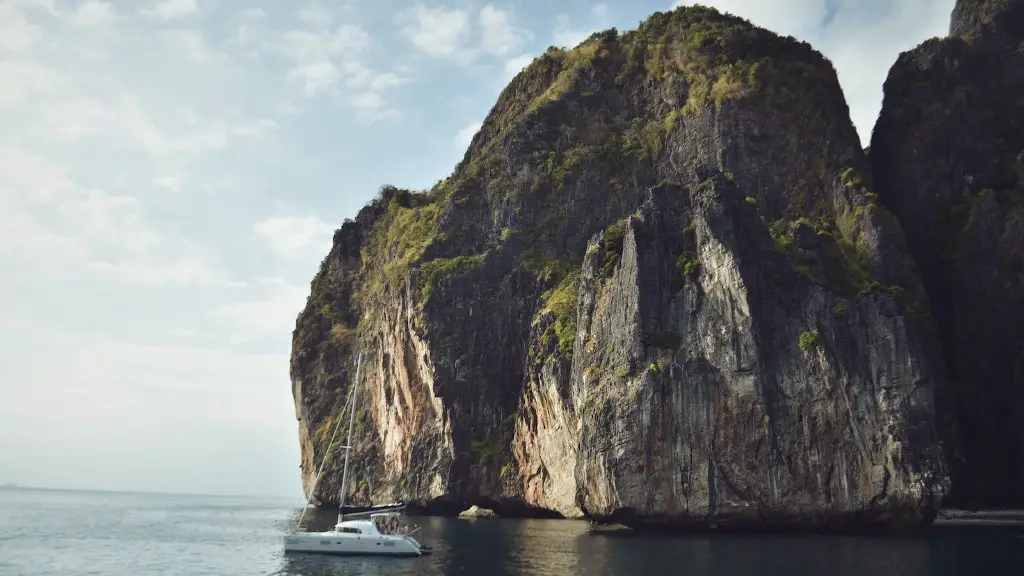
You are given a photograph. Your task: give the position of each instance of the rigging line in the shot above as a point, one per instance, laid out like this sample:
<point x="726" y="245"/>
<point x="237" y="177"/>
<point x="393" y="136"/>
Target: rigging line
<point x="337" y="426"/>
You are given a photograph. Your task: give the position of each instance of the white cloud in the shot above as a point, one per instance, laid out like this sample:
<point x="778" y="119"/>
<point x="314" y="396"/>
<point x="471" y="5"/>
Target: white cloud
<point x="92" y="13"/>
<point x="270" y="316"/>
<point x="319" y="56"/>
<point x="465" y="136"/>
<point x="448" y="34"/>
<point x="17" y="34"/>
<point x="191" y="42"/>
<point x="64" y="228"/>
<point x="568" y="35"/>
<point x="369" y="107"/>
<point x="514" y="66"/>
<point x="295" y="236"/>
<point x="109" y="222"/>
<point x="172" y="9"/>
<point x="305" y="46"/>
<point x="316" y="16"/>
<point x="127" y="121"/>
<point x="498" y="36"/>
<point x="159" y="407"/>
<point x="27" y="178"/>
<point x="128" y="124"/>
<point x="315" y="76"/>
<point x="437" y="32"/>
<point x="23" y="80"/>
<point x="171" y="182"/>
<point x="359" y="76"/>
<point x="251" y="32"/>
<point x="253" y="13"/>
<point x="328" y="58"/>
<point x="254" y="127"/>
<point x="48" y="5"/>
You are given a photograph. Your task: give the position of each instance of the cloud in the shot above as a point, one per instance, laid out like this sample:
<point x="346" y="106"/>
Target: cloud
<point x="157" y="406"/>
<point x="250" y="32"/>
<point x="514" y="66"/>
<point x="270" y="316"/>
<point x="316" y="16"/>
<point x="465" y="136"/>
<point x="23" y="80"/>
<point x="170" y="182"/>
<point x="329" y="58"/>
<point x="253" y="13"/>
<point x="369" y="107"/>
<point x="309" y="46"/>
<point x="127" y="122"/>
<point x="172" y="9"/>
<point x="448" y="34"/>
<point x="294" y="236"/>
<point x="17" y="34"/>
<point x="191" y="42"/>
<point x="567" y="35"/>
<point x="497" y="34"/>
<point x="92" y="13"/>
<point x="437" y="32"/>
<point x="65" y="228"/>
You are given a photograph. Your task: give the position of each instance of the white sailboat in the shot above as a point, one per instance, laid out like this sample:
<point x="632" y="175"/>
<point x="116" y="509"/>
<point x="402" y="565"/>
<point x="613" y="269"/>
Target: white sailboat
<point x="380" y="535"/>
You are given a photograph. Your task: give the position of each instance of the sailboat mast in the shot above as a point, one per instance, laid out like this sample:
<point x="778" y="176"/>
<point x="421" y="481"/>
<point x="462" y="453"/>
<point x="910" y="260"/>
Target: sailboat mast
<point x="348" y="447"/>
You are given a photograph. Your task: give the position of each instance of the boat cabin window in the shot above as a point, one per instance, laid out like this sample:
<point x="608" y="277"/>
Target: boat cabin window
<point x="387" y="524"/>
<point x="349" y="530"/>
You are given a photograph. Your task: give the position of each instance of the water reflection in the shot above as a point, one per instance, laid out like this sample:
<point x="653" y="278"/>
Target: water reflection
<point x="548" y="547"/>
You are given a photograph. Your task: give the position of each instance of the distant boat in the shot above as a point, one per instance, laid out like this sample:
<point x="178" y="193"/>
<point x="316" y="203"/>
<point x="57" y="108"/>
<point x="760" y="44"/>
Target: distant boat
<point x="381" y="535"/>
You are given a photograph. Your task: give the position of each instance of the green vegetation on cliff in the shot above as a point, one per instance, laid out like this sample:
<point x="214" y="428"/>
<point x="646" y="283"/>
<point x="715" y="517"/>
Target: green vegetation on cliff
<point x="606" y="113"/>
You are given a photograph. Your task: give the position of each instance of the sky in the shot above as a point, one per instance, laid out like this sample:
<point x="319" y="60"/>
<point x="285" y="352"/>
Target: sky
<point x="171" y="173"/>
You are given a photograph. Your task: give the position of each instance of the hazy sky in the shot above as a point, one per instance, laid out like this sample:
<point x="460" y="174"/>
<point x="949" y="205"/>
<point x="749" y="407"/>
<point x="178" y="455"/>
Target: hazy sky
<point x="171" y="173"/>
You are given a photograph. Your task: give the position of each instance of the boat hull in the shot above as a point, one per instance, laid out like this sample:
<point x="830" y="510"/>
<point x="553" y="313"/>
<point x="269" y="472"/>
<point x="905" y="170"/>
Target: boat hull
<point x="342" y="544"/>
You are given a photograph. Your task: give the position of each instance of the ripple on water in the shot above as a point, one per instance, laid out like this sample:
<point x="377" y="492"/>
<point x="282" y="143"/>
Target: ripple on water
<point x="44" y="533"/>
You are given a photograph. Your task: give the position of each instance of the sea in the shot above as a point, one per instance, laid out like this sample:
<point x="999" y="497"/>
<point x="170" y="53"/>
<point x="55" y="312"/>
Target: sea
<point x="72" y="533"/>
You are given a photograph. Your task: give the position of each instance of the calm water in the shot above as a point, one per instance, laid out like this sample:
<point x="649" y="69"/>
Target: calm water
<point x="75" y="533"/>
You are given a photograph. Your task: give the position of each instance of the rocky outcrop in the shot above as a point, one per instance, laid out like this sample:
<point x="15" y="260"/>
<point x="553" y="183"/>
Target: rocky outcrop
<point x="745" y="394"/>
<point x="657" y="290"/>
<point x="988" y="24"/>
<point x="946" y="153"/>
<point x="477" y="512"/>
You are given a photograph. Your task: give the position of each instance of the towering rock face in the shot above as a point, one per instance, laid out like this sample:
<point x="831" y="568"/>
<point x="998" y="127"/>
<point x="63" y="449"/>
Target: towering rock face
<point x="988" y="24"/>
<point x="657" y="290"/>
<point x="947" y="160"/>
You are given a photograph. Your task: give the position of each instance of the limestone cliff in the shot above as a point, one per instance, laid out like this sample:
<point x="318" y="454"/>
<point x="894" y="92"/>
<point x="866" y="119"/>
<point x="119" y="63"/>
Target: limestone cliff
<point x="947" y="155"/>
<point x="658" y="289"/>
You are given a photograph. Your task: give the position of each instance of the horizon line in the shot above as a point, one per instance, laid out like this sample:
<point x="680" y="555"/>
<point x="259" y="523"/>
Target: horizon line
<point x="17" y="486"/>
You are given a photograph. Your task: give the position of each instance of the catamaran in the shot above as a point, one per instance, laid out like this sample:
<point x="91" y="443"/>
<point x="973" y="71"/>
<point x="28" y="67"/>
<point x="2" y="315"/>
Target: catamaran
<point x="383" y="534"/>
